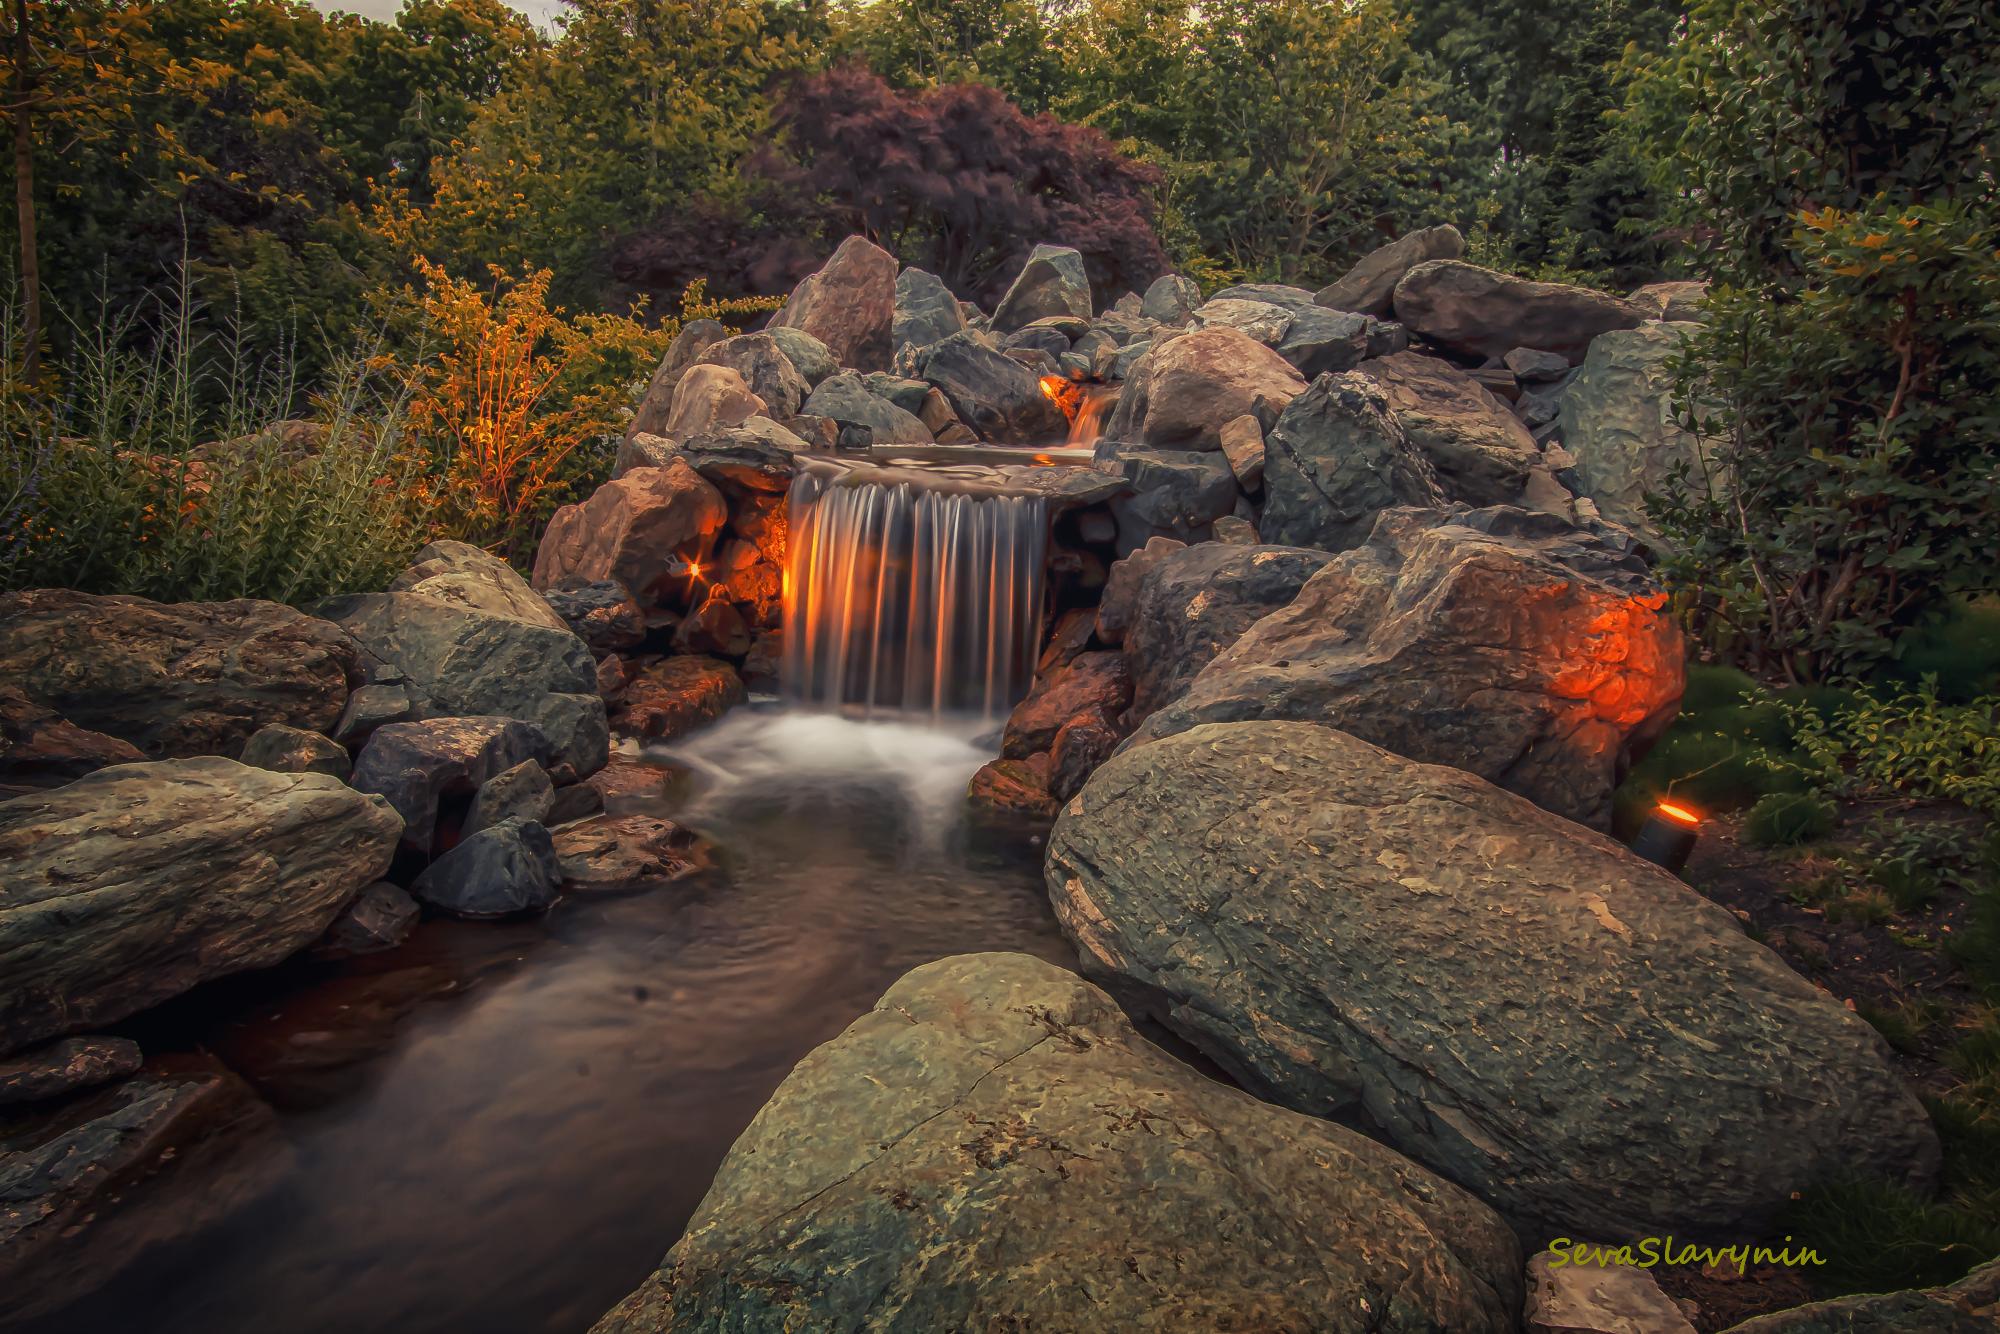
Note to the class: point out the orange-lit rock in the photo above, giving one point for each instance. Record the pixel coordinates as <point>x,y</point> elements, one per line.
<point>640,530</point>
<point>1505,643</point>
<point>1013,787</point>
<point>676,695</point>
<point>849,305</point>
<point>1091,683</point>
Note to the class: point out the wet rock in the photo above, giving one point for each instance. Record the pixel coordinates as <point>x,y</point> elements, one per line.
<point>293,750</point>
<point>1571,1298</point>
<point>1015,789</point>
<point>627,783</point>
<point>1515,1001</point>
<point>1243,445</point>
<point>1618,421</point>
<point>995,1140</point>
<point>753,583</point>
<point>137,882</point>
<point>676,695</point>
<point>1336,459</point>
<point>1480,313</point>
<point>1678,301</point>
<point>1969,1306</point>
<point>996,396</point>
<point>764,662</point>
<point>64,1067</point>
<point>1082,743</point>
<point>695,337</point>
<point>380,918</point>
<point>1368,287</point>
<point>188,678</point>
<point>522,792</point>
<point>767,372</point>
<point>1171,299</point>
<point>628,851</point>
<point>844,398</point>
<point>1051,282</point>
<point>1480,451</point>
<point>1090,682</point>
<point>713,627</point>
<point>460,661</point>
<point>578,801</point>
<point>600,612</point>
<point>850,305</point>
<point>1121,591</point>
<point>926,314</point>
<point>1173,493</point>
<point>1184,392</point>
<point>1195,603</point>
<point>416,766</point>
<point>1509,644</point>
<point>640,530</point>
<point>40,748</point>
<point>106,1179</point>
<point>506,868</point>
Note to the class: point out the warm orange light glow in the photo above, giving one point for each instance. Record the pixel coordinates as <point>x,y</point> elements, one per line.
<point>694,569</point>
<point>1680,814</point>
<point>1053,386</point>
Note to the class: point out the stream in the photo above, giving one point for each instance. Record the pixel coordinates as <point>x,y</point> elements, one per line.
<point>503,1127</point>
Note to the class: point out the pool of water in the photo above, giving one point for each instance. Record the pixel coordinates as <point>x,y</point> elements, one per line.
<point>502,1127</point>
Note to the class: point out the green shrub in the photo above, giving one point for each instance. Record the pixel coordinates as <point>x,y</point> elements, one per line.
<point>159,475</point>
<point>1910,743</point>
<point>1784,819</point>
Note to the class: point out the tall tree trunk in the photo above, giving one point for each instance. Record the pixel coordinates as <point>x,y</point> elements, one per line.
<point>24,195</point>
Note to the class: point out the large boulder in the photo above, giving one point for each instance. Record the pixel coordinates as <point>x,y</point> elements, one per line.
<point>1618,421</point>
<point>1506,643</point>
<point>175,679</point>
<point>468,576</point>
<point>417,766</point>
<point>710,398</point>
<point>641,530</point>
<point>996,396</point>
<point>766,370</point>
<point>1969,1306</point>
<point>694,338</point>
<point>1481,452</point>
<point>1196,602</point>
<point>41,748</point>
<point>1335,460</point>
<point>994,1146</point>
<point>453,659</point>
<point>811,358</point>
<point>1479,313</point>
<point>1183,391</point>
<point>845,398</point>
<point>1683,301</point>
<point>1052,282</point>
<point>753,456</point>
<point>137,882</point>
<point>1513,1000</point>
<point>850,305</point>
<point>926,314</point>
<point>1368,287</point>
<point>601,612</point>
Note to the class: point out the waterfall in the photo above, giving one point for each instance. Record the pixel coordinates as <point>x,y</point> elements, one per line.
<point>907,599</point>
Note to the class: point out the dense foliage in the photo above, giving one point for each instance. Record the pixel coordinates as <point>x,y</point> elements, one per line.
<point>1837,162</point>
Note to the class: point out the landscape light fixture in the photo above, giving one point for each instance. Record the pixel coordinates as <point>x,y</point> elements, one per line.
<point>1668,836</point>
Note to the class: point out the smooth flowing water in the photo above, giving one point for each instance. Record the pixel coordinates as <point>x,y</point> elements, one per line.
<point>909,600</point>
<point>502,1127</point>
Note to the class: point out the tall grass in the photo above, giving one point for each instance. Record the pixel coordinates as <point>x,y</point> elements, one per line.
<point>151,466</point>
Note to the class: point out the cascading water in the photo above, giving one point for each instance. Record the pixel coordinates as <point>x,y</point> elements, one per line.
<point>910,599</point>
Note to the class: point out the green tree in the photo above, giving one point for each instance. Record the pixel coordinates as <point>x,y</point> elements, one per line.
<point>1835,161</point>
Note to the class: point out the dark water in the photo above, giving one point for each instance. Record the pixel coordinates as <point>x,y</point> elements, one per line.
<point>503,1127</point>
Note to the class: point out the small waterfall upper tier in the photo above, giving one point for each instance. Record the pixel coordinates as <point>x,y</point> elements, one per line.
<point>912,594</point>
